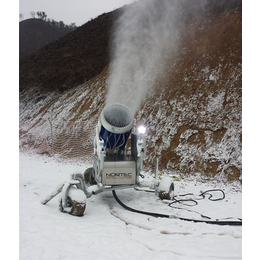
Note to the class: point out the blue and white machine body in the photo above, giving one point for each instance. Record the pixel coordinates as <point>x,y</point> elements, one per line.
<point>113,166</point>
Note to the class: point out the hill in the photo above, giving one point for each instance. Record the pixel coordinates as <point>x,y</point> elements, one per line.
<point>193,113</point>
<point>71,60</point>
<point>36,33</point>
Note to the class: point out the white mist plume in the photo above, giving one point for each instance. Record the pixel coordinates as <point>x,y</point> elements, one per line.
<point>146,34</point>
<point>146,31</point>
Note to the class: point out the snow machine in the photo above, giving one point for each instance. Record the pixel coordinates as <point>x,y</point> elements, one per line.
<point>115,166</point>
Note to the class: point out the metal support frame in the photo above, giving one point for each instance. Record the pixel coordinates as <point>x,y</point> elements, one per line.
<point>52,151</point>
<point>65,192</point>
<point>77,179</point>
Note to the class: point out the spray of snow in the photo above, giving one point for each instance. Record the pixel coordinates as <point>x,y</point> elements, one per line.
<point>145,35</point>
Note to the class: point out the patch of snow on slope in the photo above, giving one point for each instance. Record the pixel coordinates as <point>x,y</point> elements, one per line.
<point>216,103</point>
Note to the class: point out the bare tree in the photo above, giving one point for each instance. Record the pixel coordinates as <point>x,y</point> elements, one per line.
<point>32,13</point>
<point>21,16</point>
<point>61,24</point>
<point>39,14</point>
<point>44,16</point>
<point>52,22</point>
<point>72,25</point>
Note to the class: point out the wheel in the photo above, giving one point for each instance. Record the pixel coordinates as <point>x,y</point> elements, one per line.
<point>76,202</point>
<point>166,188</point>
<point>88,176</point>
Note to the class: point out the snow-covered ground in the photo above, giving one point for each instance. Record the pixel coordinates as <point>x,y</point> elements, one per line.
<point>108,231</point>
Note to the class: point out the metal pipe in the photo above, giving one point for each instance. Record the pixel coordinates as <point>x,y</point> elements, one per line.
<point>156,175</point>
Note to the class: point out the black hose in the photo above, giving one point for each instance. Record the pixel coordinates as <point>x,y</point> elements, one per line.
<point>158,215</point>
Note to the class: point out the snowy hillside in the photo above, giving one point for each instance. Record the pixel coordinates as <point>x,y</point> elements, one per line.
<point>107,231</point>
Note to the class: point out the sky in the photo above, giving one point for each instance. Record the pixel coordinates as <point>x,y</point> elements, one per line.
<point>70,11</point>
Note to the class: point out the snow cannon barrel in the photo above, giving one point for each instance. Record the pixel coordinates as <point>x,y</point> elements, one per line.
<point>116,124</point>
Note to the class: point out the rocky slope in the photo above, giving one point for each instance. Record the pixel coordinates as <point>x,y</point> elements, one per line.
<point>193,113</point>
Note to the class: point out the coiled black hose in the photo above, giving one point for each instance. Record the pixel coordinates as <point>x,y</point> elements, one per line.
<point>158,215</point>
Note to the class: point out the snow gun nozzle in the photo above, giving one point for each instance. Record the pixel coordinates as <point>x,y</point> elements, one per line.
<point>117,118</point>
<point>116,122</point>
